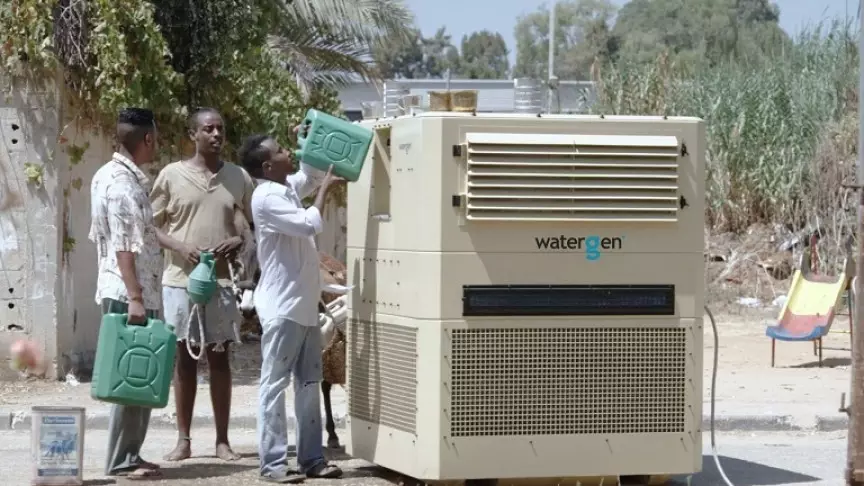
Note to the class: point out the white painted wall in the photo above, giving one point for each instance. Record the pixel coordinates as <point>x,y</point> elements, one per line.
<point>29,218</point>
<point>77,347</point>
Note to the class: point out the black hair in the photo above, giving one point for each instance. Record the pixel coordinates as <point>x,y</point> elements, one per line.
<point>133,126</point>
<point>253,154</point>
<point>193,121</point>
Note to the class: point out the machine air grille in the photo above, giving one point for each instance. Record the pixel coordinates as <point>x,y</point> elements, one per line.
<point>548,177</point>
<point>556,381</point>
<point>382,373</point>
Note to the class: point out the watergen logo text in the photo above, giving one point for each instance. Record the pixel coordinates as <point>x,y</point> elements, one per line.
<point>593,245</point>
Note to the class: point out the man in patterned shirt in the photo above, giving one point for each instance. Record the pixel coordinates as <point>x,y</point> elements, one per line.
<point>130,266</point>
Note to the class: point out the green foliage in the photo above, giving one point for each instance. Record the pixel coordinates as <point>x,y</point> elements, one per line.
<point>484,56</point>
<point>27,29</point>
<point>765,121</point>
<point>119,53</point>
<point>701,34</point>
<point>695,34</point>
<point>417,57</point>
<point>76,152</point>
<point>34,173</point>
<point>582,35</point>
<point>328,41</point>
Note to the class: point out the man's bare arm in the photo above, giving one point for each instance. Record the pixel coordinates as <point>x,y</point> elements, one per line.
<point>126,264</point>
<point>166,241</point>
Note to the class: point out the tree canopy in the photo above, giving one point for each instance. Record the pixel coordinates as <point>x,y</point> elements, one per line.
<point>695,33</point>
<point>262,63</point>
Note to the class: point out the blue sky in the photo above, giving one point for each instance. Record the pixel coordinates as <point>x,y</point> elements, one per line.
<point>465,16</point>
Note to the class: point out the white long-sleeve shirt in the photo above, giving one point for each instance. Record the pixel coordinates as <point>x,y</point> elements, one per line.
<point>289,287</point>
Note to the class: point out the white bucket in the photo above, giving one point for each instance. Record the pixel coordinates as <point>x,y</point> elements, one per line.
<point>57,446</point>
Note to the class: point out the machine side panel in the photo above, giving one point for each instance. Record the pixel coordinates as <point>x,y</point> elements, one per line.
<point>393,415</point>
<point>396,203</point>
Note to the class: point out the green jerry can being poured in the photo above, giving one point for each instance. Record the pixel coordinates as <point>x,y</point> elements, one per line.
<point>332,141</point>
<point>134,363</point>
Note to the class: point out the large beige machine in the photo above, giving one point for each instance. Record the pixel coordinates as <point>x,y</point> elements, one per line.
<point>528,296</point>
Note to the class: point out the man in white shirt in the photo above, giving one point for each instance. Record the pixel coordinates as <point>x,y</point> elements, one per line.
<point>286,300</point>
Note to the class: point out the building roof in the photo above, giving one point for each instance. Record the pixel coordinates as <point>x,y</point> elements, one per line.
<point>493,95</point>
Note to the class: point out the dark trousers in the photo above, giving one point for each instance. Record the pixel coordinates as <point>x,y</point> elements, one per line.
<point>127,426</point>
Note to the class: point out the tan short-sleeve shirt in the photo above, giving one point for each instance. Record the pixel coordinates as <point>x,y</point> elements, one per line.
<point>199,208</point>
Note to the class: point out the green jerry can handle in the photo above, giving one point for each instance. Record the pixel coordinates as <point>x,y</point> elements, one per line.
<point>148,323</point>
<point>301,137</point>
<point>208,259</point>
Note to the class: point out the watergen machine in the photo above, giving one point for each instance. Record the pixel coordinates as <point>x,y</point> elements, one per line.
<point>528,295</point>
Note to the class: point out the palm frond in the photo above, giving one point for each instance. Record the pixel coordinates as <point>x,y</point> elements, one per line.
<point>316,58</point>
<point>366,21</point>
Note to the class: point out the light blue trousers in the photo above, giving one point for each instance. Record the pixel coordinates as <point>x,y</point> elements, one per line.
<point>289,349</point>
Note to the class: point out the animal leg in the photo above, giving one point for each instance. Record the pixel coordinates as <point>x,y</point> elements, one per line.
<point>332,438</point>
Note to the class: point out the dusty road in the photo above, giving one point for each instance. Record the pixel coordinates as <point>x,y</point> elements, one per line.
<point>799,459</point>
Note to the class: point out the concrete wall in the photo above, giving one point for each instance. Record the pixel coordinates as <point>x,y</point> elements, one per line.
<point>30,243</point>
<point>81,152</point>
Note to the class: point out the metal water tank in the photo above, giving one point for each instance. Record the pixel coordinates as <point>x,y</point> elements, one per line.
<point>393,93</point>
<point>527,95</point>
<point>371,109</point>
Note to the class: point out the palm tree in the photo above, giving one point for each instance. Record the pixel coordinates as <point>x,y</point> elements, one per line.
<point>328,42</point>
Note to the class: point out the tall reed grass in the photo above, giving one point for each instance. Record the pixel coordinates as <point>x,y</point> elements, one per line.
<point>781,132</point>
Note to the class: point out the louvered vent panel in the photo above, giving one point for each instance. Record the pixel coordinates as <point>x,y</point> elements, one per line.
<point>382,374</point>
<point>548,177</point>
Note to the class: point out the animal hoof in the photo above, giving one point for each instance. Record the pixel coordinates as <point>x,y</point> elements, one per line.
<point>333,443</point>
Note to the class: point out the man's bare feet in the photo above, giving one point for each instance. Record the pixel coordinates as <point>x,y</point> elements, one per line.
<point>181,452</point>
<point>224,452</point>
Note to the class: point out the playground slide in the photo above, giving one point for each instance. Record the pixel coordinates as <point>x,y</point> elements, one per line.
<point>810,308</point>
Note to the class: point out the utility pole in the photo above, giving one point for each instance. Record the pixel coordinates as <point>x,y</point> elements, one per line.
<point>855,453</point>
<point>552,24</point>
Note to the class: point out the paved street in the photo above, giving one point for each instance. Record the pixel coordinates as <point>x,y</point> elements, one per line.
<point>793,458</point>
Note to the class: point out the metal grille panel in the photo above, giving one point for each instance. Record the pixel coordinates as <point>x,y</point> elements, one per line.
<point>382,374</point>
<point>547,177</point>
<point>545,381</point>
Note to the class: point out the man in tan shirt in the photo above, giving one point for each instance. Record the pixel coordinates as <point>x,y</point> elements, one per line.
<point>197,204</point>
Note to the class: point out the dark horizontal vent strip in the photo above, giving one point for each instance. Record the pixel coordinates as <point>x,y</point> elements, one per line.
<point>568,300</point>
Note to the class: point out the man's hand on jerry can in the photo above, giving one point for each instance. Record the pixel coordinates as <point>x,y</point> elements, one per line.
<point>303,126</point>
<point>137,314</point>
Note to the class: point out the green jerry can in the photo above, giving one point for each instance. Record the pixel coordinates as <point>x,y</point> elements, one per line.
<point>332,141</point>
<point>134,363</point>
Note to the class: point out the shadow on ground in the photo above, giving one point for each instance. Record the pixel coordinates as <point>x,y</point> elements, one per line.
<point>208,470</point>
<point>744,473</point>
<point>826,363</point>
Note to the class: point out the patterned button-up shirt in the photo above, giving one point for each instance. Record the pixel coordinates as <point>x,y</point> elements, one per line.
<point>121,219</point>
